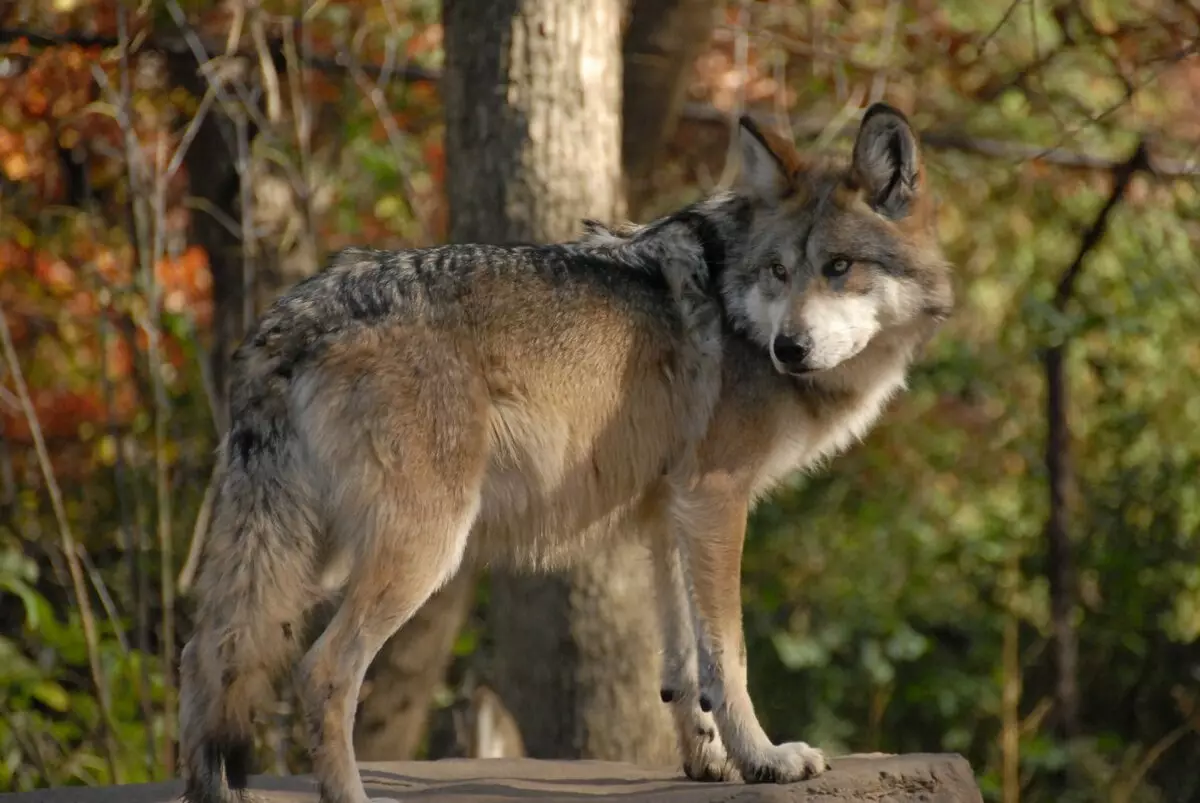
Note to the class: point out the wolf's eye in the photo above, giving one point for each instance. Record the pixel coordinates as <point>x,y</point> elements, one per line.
<point>779,271</point>
<point>837,267</point>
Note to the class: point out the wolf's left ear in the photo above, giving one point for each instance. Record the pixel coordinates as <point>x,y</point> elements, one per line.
<point>768,161</point>
<point>887,161</point>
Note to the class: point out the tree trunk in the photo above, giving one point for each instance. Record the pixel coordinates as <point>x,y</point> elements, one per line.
<point>662,41</point>
<point>211,163</point>
<point>533,142</point>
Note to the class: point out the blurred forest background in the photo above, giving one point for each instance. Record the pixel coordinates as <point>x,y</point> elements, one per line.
<point>1007,567</point>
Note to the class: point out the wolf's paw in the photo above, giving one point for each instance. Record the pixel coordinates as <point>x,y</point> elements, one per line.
<point>705,758</point>
<point>785,763</point>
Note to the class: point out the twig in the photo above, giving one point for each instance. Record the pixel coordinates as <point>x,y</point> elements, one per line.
<point>302,121</point>
<point>132,543</point>
<point>1060,571</point>
<point>199,532</point>
<point>1130,91</point>
<point>741,54</point>
<point>1008,12</point>
<point>266,65</point>
<point>142,185</point>
<point>106,600</point>
<point>395,138</point>
<point>31,747</point>
<point>249,268</point>
<point>69,547</point>
<point>1124,788</point>
<point>179,46</point>
<point>810,127</point>
<point>935,139</point>
<point>1123,175</point>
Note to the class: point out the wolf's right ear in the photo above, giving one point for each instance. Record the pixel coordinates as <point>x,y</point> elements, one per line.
<point>887,161</point>
<point>768,162</point>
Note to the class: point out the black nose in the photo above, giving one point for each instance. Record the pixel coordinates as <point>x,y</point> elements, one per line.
<point>793,350</point>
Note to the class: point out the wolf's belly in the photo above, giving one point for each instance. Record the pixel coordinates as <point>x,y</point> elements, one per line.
<point>553,486</point>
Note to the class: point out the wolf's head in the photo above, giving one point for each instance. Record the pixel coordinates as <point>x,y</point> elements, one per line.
<point>839,253</point>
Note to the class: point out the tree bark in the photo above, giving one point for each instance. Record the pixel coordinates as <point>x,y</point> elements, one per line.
<point>211,164</point>
<point>532,93</point>
<point>662,41</point>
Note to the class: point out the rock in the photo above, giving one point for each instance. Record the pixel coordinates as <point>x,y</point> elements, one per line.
<point>876,777</point>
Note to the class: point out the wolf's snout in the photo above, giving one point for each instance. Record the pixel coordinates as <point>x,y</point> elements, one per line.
<point>792,350</point>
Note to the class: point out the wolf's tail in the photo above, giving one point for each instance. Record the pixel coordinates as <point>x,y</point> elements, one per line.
<point>256,583</point>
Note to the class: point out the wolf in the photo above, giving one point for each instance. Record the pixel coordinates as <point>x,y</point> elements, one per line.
<point>400,414</point>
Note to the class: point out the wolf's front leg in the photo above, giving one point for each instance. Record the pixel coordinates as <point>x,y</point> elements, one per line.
<point>703,754</point>
<point>712,530</point>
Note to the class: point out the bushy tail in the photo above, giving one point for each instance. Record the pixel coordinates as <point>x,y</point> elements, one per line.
<point>256,583</point>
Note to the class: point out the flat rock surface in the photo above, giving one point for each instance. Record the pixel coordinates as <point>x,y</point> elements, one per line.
<point>878,777</point>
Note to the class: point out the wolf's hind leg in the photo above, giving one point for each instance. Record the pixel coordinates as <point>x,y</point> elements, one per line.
<point>408,552</point>
<point>703,753</point>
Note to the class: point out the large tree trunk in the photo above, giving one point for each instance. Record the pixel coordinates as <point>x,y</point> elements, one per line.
<point>662,40</point>
<point>533,142</point>
<point>394,711</point>
<point>211,163</point>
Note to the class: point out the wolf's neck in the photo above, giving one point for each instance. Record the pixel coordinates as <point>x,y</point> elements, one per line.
<point>721,223</point>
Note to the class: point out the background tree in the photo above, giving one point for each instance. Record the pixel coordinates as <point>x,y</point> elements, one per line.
<point>661,41</point>
<point>533,145</point>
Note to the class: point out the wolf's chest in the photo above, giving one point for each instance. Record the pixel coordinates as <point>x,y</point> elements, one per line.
<point>805,435</point>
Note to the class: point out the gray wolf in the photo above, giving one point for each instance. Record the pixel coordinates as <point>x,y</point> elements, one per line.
<point>402,413</point>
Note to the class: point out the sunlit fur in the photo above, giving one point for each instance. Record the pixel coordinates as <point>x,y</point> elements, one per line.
<point>403,413</point>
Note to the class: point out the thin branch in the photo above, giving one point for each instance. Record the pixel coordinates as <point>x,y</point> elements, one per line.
<point>70,553</point>
<point>200,532</point>
<point>302,120</point>
<point>1060,561</point>
<point>178,45</point>
<point>935,139</point>
<point>132,541</point>
<point>150,246</point>
<point>987,39</point>
<point>373,93</point>
<point>270,75</point>
<point>1162,64</point>
<point>810,127</point>
<point>1123,175</point>
<point>1125,787</point>
<point>31,747</point>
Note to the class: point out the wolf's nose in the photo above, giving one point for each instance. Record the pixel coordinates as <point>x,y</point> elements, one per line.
<point>792,350</point>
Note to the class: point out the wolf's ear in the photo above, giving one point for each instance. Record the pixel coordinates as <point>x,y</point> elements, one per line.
<point>768,162</point>
<point>887,161</point>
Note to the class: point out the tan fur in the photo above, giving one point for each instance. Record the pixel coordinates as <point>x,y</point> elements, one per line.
<point>502,430</point>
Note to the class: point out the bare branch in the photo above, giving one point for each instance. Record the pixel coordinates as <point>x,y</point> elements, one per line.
<point>1004,18</point>
<point>810,127</point>
<point>70,550</point>
<point>179,45</point>
<point>1123,175</point>
<point>805,127</point>
<point>1060,561</point>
